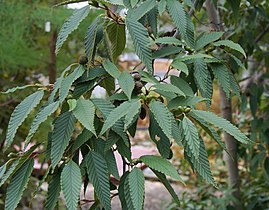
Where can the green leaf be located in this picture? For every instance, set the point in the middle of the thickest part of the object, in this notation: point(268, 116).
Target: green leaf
point(207, 38)
point(41, 117)
point(200, 164)
point(17, 184)
point(70, 25)
point(230, 44)
point(117, 37)
point(181, 101)
point(159, 138)
point(166, 51)
point(189, 3)
point(84, 112)
point(222, 74)
point(182, 21)
point(191, 136)
point(98, 175)
point(211, 131)
point(82, 138)
point(68, 81)
point(203, 78)
point(141, 42)
point(71, 182)
point(111, 68)
point(122, 192)
point(126, 83)
point(53, 191)
point(109, 85)
point(223, 124)
point(112, 164)
point(91, 38)
point(192, 57)
point(167, 185)
point(3, 170)
point(116, 115)
point(182, 85)
point(152, 17)
point(72, 103)
point(162, 116)
point(133, 111)
point(9, 172)
point(161, 165)
point(105, 107)
point(169, 40)
point(135, 184)
point(18, 163)
point(12, 90)
point(234, 85)
point(133, 2)
point(63, 129)
point(143, 9)
point(180, 66)
point(238, 62)
point(20, 114)
point(146, 77)
point(161, 6)
point(57, 85)
point(169, 88)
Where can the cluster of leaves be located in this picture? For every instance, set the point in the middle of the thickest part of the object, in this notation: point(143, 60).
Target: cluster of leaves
point(109, 123)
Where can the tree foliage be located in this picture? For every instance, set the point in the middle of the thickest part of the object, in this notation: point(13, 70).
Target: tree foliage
point(172, 107)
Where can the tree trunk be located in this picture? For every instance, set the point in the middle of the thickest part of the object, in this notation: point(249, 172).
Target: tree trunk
point(52, 62)
point(226, 111)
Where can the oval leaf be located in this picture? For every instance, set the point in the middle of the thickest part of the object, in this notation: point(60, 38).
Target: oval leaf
point(84, 112)
point(161, 165)
point(71, 182)
point(18, 184)
point(20, 113)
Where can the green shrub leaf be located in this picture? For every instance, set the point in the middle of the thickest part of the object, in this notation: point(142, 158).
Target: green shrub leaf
point(111, 68)
point(181, 20)
point(223, 124)
point(53, 191)
point(116, 115)
point(68, 81)
point(71, 182)
point(161, 165)
point(162, 116)
point(141, 42)
point(20, 114)
point(143, 9)
point(132, 113)
point(169, 88)
point(191, 136)
point(222, 74)
point(63, 129)
point(98, 175)
point(91, 38)
point(230, 44)
point(167, 185)
point(206, 38)
point(117, 38)
point(18, 184)
point(203, 78)
point(135, 184)
point(84, 112)
point(41, 117)
point(126, 83)
point(70, 25)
